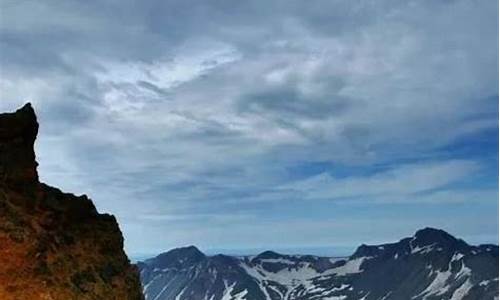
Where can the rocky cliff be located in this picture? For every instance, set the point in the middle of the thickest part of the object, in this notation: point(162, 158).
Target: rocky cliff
point(53, 245)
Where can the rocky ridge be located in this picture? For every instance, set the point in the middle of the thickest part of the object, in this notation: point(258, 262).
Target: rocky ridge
point(53, 245)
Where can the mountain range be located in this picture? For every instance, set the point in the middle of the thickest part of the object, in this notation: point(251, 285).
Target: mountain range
point(432, 265)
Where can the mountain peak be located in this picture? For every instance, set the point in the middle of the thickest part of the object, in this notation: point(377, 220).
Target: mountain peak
point(429, 236)
point(190, 250)
point(178, 257)
point(18, 131)
point(77, 252)
point(434, 232)
point(268, 255)
point(425, 237)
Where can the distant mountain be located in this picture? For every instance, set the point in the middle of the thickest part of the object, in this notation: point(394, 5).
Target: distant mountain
point(430, 265)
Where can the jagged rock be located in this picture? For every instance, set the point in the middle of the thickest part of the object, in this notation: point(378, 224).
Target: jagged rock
point(17, 156)
point(53, 245)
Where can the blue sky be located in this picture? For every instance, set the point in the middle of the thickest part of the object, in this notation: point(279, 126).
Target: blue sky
point(287, 125)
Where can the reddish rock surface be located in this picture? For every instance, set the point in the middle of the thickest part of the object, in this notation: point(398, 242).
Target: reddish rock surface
point(53, 245)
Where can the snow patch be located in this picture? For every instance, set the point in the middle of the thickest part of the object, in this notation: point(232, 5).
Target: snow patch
point(457, 256)
point(278, 260)
point(438, 286)
point(423, 250)
point(351, 266)
point(462, 291)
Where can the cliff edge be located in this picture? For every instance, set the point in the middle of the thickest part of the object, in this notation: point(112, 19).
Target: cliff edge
point(53, 245)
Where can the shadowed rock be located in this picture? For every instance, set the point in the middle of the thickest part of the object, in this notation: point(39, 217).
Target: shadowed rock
point(53, 245)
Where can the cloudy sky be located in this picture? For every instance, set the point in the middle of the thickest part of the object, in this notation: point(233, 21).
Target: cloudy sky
point(241, 125)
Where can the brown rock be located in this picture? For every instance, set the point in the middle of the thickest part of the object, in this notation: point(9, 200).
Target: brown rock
point(53, 245)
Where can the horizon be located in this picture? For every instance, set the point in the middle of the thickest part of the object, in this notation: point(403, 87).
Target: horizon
point(314, 251)
point(320, 251)
point(283, 125)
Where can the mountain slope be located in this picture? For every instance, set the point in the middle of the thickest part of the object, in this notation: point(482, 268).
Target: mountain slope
point(53, 245)
point(430, 265)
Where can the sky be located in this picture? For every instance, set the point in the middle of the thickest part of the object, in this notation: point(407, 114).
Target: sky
point(301, 126)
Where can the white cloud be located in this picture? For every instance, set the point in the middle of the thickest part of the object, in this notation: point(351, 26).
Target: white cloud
point(130, 86)
point(403, 180)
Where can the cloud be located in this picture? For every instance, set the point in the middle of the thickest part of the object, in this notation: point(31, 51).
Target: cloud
point(133, 85)
point(182, 108)
point(399, 181)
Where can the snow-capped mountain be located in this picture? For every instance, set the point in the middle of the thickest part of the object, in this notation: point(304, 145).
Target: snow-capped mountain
point(430, 265)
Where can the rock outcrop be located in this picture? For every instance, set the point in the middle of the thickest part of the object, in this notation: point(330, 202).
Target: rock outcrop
point(53, 245)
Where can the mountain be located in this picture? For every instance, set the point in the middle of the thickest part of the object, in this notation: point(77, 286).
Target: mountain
point(430, 265)
point(53, 245)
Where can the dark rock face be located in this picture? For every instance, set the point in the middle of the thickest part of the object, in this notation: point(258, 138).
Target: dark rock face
point(195, 278)
point(53, 245)
point(430, 265)
point(179, 258)
point(17, 137)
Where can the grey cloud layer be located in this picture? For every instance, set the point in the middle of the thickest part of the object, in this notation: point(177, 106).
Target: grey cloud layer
point(162, 108)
